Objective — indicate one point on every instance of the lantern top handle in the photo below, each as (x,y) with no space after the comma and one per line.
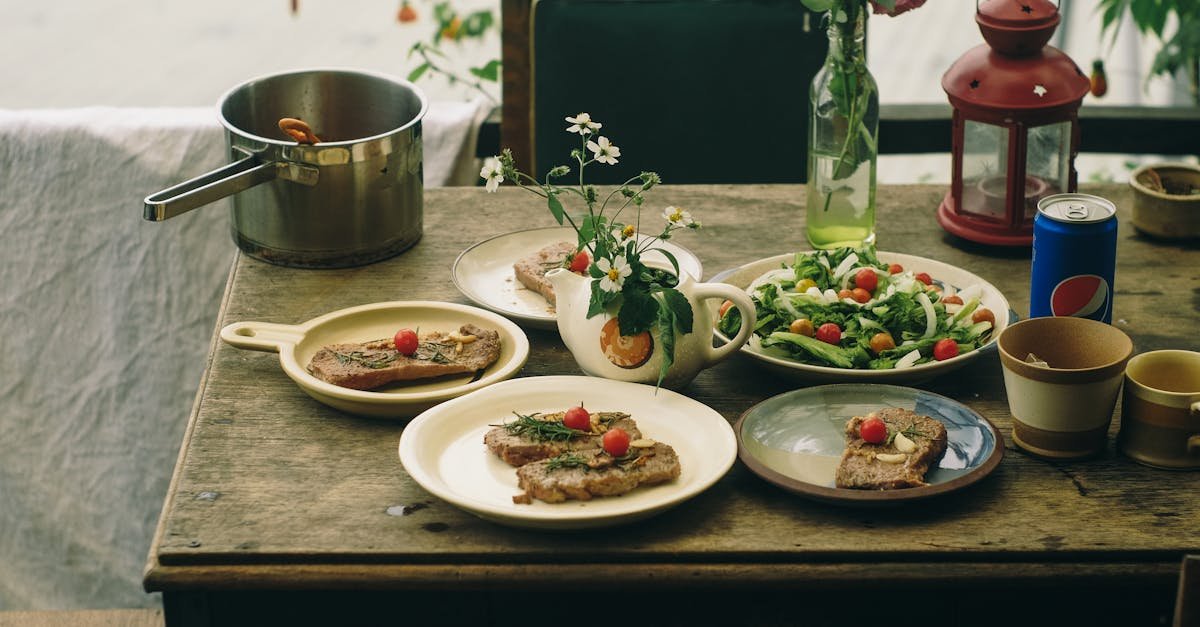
(1057,6)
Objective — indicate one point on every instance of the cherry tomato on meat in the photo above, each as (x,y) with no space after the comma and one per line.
(829,333)
(872,430)
(924,278)
(803,326)
(580,262)
(882,341)
(578,418)
(895,268)
(952,299)
(945,349)
(615,442)
(983,314)
(406,341)
(860,295)
(866,279)
(724,308)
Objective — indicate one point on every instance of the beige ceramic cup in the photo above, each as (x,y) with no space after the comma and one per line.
(1062,410)
(1160,415)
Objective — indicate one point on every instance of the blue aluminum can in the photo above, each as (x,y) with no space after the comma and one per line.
(1074,257)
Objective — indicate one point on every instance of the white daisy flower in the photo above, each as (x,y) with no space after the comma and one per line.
(583,124)
(604,151)
(492,173)
(678,216)
(614,273)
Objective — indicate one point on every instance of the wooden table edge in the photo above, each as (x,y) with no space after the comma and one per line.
(161,578)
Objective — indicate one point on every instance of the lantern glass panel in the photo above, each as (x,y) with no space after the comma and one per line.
(1047,163)
(984,169)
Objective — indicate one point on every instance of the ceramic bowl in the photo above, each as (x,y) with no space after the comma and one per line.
(1164,214)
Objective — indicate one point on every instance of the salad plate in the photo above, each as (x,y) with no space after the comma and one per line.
(943,274)
(298,343)
(795,440)
(484,272)
(443,450)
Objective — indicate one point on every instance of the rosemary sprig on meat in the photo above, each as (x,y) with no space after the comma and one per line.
(542,430)
(374,360)
(910,431)
(601,461)
(566,460)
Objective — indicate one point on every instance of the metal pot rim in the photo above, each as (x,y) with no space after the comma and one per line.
(282,144)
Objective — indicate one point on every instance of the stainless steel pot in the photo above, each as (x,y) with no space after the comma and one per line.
(353,198)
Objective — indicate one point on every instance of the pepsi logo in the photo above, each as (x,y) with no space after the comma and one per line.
(1081,296)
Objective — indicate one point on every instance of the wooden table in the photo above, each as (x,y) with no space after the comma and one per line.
(283,508)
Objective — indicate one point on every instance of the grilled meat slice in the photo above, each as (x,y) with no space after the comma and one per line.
(860,468)
(531,271)
(582,475)
(374,364)
(518,449)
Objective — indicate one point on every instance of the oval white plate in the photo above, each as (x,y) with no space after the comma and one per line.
(991,298)
(484,272)
(443,450)
(296,345)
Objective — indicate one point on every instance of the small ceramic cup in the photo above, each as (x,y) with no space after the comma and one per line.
(1062,406)
(1160,414)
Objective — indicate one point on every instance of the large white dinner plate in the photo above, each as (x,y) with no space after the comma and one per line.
(484,272)
(298,343)
(942,273)
(443,450)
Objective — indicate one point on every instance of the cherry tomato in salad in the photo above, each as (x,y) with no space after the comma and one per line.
(952,299)
(578,418)
(830,333)
(924,278)
(860,295)
(945,349)
(844,294)
(803,326)
(615,442)
(803,284)
(983,314)
(724,308)
(895,268)
(872,430)
(866,279)
(882,341)
(580,262)
(406,341)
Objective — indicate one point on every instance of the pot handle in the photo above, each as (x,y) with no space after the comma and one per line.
(261,336)
(705,291)
(225,181)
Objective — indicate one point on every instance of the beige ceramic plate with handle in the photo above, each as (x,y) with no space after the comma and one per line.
(443,450)
(484,272)
(296,345)
(942,273)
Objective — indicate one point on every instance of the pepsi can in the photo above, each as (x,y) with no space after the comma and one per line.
(1074,257)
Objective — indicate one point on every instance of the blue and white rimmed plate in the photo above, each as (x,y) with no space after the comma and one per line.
(443,450)
(795,440)
(944,273)
(484,272)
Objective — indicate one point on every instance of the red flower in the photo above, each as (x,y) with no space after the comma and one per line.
(900,6)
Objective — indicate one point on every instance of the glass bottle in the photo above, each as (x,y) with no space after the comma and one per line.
(843,128)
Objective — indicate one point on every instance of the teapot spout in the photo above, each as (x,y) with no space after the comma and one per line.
(567,286)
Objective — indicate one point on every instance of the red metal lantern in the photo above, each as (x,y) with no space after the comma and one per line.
(1016,128)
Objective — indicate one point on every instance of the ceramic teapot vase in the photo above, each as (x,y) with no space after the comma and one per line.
(601,351)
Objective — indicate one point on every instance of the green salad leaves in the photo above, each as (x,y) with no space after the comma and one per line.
(894,320)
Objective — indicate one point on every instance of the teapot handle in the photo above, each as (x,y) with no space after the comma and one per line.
(706,291)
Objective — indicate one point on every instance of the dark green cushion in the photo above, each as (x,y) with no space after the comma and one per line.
(700,91)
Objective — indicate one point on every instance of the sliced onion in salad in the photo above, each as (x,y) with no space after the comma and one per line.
(845,265)
(908,360)
(930,314)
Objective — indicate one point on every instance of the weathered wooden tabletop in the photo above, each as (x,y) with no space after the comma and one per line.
(275,491)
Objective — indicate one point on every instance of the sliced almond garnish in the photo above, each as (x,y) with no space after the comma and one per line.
(891,458)
(461,339)
(642,443)
(903,444)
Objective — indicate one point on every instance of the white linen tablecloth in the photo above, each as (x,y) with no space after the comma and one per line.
(105,320)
